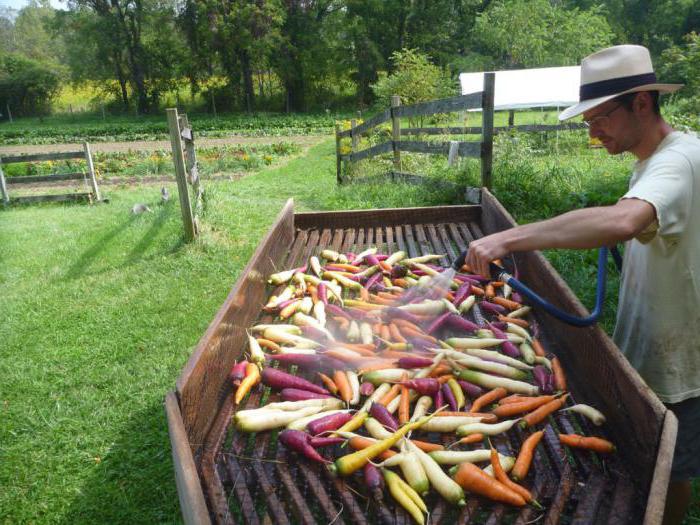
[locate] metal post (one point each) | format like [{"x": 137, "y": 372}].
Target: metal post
[
  {"x": 487, "y": 129},
  {"x": 396, "y": 131},
  {"x": 180, "y": 173}
]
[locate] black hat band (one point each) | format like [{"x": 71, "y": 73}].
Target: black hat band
[{"x": 614, "y": 86}]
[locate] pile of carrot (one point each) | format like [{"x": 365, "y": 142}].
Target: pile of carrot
[{"x": 385, "y": 363}]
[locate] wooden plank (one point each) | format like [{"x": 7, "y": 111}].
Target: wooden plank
[
  {"x": 201, "y": 380},
  {"x": 45, "y": 178},
  {"x": 526, "y": 128},
  {"x": 3, "y": 188},
  {"x": 476, "y": 130},
  {"x": 396, "y": 130},
  {"x": 592, "y": 495},
  {"x": 387, "y": 216},
  {"x": 466, "y": 149},
  {"x": 368, "y": 124},
  {"x": 445, "y": 105},
  {"x": 654, "y": 512},
  {"x": 487, "y": 126},
  {"x": 448, "y": 130},
  {"x": 91, "y": 172},
  {"x": 611, "y": 383},
  {"x": 181, "y": 174},
  {"x": 189, "y": 490},
  {"x": 338, "y": 163},
  {"x": 379, "y": 149},
  {"x": 62, "y": 197},
  {"x": 41, "y": 157}
]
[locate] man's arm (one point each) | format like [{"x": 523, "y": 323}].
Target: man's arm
[{"x": 586, "y": 228}]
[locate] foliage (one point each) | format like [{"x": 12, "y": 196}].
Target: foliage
[
  {"x": 414, "y": 79},
  {"x": 27, "y": 85},
  {"x": 531, "y": 33},
  {"x": 681, "y": 64}
]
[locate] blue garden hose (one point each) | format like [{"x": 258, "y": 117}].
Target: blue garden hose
[{"x": 548, "y": 307}]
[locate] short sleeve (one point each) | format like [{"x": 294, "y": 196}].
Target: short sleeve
[{"x": 666, "y": 184}]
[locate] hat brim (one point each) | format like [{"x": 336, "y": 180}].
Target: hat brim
[{"x": 584, "y": 106}]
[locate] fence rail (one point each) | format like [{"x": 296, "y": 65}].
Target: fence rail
[{"x": 523, "y": 128}]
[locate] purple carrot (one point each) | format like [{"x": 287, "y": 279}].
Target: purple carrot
[
  {"x": 331, "y": 363},
  {"x": 419, "y": 273},
  {"x": 397, "y": 313},
  {"x": 373, "y": 477},
  {"x": 492, "y": 308},
  {"x": 298, "y": 441},
  {"x": 334, "y": 309},
  {"x": 238, "y": 373},
  {"x": 356, "y": 313},
  {"x": 381, "y": 414},
  {"x": 438, "y": 399},
  {"x": 507, "y": 347},
  {"x": 351, "y": 257},
  {"x": 516, "y": 297},
  {"x": 313, "y": 333},
  {"x": 501, "y": 326},
  {"x": 449, "y": 396},
  {"x": 329, "y": 422},
  {"x": 398, "y": 271},
  {"x": 470, "y": 389},
  {"x": 426, "y": 386},
  {"x": 375, "y": 279},
  {"x": 381, "y": 256},
  {"x": 296, "y": 394},
  {"x": 372, "y": 260},
  {"x": 286, "y": 303},
  {"x": 318, "y": 442},
  {"x": 438, "y": 322},
  {"x": 541, "y": 375},
  {"x": 414, "y": 362},
  {"x": 462, "y": 293},
  {"x": 322, "y": 293},
  {"x": 307, "y": 361},
  {"x": 460, "y": 323},
  {"x": 278, "y": 380},
  {"x": 366, "y": 388}
]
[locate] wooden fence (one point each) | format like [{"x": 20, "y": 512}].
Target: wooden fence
[
  {"x": 87, "y": 176},
  {"x": 482, "y": 150},
  {"x": 186, "y": 172}
]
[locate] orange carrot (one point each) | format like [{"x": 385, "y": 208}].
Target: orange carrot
[
  {"x": 344, "y": 388},
  {"x": 381, "y": 300},
  {"x": 501, "y": 476},
  {"x": 390, "y": 395},
  {"x": 385, "y": 266},
  {"x": 395, "y": 334},
  {"x": 384, "y": 333},
  {"x": 471, "y": 478},
  {"x": 512, "y": 409},
  {"x": 470, "y": 439},
  {"x": 330, "y": 384},
  {"x": 559, "y": 377},
  {"x": 359, "y": 443},
  {"x": 364, "y": 295},
  {"x": 375, "y": 366},
  {"x": 377, "y": 329},
  {"x": 347, "y": 267},
  {"x": 520, "y": 322},
  {"x": 489, "y": 291},
  {"x": 538, "y": 348},
  {"x": 252, "y": 378},
  {"x": 513, "y": 398},
  {"x": 527, "y": 452},
  {"x": 427, "y": 447},
  {"x": 440, "y": 370},
  {"x": 596, "y": 444},
  {"x": 506, "y": 303},
  {"x": 450, "y": 296},
  {"x": 387, "y": 295},
  {"x": 401, "y": 282},
  {"x": 355, "y": 348},
  {"x": 270, "y": 345},
  {"x": 404, "y": 403},
  {"x": 488, "y": 398},
  {"x": 477, "y": 290},
  {"x": 403, "y": 323},
  {"x": 445, "y": 378},
  {"x": 543, "y": 412}
]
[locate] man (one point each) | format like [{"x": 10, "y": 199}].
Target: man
[{"x": 659, "y": 218}]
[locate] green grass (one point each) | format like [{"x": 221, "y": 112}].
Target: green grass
[{"x": 101, "y": 310}]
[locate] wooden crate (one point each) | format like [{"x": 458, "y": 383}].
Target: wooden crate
[{"x": 211, "y": 467}]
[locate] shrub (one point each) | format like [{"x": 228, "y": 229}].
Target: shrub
[{"x": 27, "y": 86}]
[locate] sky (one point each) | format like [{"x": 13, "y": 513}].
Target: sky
[{"x": 19, "y": 4}]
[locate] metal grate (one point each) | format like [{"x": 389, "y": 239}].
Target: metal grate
[{"x": 256, "y": 481}]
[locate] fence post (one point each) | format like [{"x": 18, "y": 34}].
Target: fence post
[
  {"x": 338, "y": 171},
  {"x": 355, "y": 140},
  {"x": 396, "y": 131},
  {"x": 487, "y": 129},
  {"x": 192, "y": 169},
  {"x": 511, "y": 118},
  {"x": 91, "y": 171},
  {"x": 180, "y": 173},
  {"x": 9, "y": 113},
  {"x": 3, "y": 188}
]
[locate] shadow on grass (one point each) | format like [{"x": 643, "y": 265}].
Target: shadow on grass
[
  {"x": 135, "y": 481},
  {"x": 136, "y": 253}
]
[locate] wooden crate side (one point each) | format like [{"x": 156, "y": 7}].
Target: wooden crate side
[
  {"x": 202, "y": 384},
  {"x": 189, "y": 490},
  {"x": 593, "y": 362},
  {"x": 656, "y": 502},
  {"x": 386, "y": 217}
]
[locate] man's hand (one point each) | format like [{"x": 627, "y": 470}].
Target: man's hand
[{"x": 483, "y": 251}]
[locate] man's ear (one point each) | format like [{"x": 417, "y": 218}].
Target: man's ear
[{"x": 642, "y": 103}]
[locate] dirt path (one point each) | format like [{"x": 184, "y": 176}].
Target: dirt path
[{"x": 153, "y": 145}]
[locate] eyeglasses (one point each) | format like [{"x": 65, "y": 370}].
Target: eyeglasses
[{"x": 601, "y": 120}]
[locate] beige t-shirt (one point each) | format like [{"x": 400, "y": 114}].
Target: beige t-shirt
[{"x": 658, "y": 319}]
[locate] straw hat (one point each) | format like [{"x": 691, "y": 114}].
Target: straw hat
[{"x": 612, "y": 72}]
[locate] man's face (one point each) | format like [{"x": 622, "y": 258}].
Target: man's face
[{"x": 614, "y": 125}]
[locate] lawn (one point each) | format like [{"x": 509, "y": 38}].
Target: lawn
[{"x": 102, "y": 308}]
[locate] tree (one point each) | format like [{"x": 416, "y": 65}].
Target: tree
[
  {"x": 27, "y": 85},
  {"x": 681, "y": 64},
  {"x": 531, "y": 33}
]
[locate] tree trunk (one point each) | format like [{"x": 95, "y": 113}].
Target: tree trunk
[{"x": 248, "y": 90}]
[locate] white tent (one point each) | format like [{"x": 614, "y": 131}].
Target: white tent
[{"x": 529, "y": 88}]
